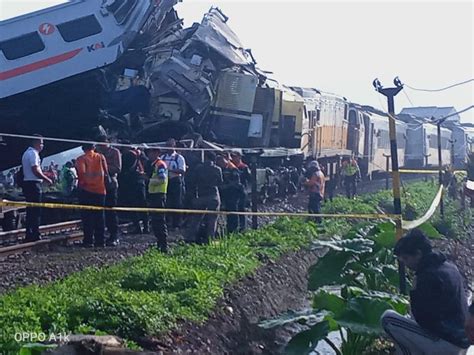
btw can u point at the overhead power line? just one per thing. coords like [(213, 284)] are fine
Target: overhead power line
[(408, 98), (441, 89)]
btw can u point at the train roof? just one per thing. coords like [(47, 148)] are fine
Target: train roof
[(429, 112)]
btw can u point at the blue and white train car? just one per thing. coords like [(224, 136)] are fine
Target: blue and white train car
[(422, 145)]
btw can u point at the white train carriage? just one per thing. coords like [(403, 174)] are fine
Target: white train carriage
[(462, 144), (377, 142), (422, 145), (68, 39)]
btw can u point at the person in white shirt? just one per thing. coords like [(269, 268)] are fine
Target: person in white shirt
[(33, 176), (176, 169)]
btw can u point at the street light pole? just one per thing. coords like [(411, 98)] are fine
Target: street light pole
[(390, 93)]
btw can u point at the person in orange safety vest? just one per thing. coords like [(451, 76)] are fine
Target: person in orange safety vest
[(92, 173)]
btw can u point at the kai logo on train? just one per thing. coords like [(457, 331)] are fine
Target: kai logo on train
[(46, 28), (95, 46)]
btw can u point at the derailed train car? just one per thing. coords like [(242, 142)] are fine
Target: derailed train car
[(247, 115), (56, 65)]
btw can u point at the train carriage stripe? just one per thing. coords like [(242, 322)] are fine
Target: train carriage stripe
[(39, 65)]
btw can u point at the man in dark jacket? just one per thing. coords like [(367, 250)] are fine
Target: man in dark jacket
[(438, 302), (132, 185), (208, 179)]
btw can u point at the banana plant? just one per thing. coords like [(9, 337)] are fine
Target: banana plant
[(353, 312)]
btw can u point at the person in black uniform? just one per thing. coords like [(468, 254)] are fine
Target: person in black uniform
[(208, 178), (231, 191)]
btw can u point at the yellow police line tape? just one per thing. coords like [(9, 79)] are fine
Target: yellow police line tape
[(407, 225), (414, 171), (192, 211)]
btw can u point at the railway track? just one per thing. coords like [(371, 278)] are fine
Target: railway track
[(11, 242), (14, 237), (64, 232)]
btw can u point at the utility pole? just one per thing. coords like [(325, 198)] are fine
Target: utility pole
[(390, 93), (387, 169), (426, 164), (440, 164), (452, 141)]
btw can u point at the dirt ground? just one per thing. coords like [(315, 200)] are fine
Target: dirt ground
[(233, 328)]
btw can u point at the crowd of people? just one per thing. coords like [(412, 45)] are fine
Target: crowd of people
[(105, 176)]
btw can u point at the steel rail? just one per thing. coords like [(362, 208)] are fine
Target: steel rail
[(19, 234)]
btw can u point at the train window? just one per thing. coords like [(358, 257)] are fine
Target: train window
[(383, 139), (22, 46), (79, 28), (121, 9), (445, 144)]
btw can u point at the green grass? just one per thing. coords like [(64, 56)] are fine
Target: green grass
[(149, 294)]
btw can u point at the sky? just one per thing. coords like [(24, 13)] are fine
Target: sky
[(341, 46)]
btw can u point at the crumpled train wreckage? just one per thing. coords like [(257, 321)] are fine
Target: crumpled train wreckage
[(199, 79)]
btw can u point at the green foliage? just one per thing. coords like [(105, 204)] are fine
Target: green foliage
[(148, 294), (343, 205), (304, 342), (35, 348), (364, 260), (355, 310), (328, 270), (430, 231), (302, 317)]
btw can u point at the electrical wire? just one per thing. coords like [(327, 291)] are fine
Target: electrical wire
[(441, 89), (408, 98), (383, 108)]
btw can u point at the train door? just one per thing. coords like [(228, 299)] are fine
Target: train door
[(426, 143), (361, 134), (353, 132)]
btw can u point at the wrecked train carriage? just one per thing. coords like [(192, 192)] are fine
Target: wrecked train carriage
[(195, 73), (56, 64)]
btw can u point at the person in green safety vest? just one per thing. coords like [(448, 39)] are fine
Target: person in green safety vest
[(157, 188), (351, 175)]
